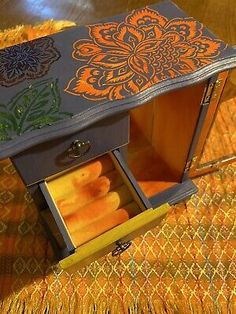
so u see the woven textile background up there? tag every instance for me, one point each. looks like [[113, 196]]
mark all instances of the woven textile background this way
[[185, 265]]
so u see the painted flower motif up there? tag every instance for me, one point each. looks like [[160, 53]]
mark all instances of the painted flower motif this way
[[30, 60], [125, 58]]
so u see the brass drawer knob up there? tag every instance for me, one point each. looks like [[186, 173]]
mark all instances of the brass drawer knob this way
[[120, 247], [78, 148]]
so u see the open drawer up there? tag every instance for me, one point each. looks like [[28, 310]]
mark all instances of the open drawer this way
[[95, 209]]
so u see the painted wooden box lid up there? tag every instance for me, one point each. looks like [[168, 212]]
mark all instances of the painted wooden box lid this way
[[57, 85]]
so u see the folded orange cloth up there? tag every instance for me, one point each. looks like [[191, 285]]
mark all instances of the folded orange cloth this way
[[114, 178], [92, 171], [100, 226], [84, 195], [74, 179], [93, 211], [91, 192]]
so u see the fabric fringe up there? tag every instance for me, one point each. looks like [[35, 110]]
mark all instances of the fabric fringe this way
[[47, 302], [56, 305], [23, 33]]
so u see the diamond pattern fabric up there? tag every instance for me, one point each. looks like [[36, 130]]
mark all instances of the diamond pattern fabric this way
[[185, 265]]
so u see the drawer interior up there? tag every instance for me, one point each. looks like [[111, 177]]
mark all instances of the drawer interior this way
[[91, 200], [161, 133]]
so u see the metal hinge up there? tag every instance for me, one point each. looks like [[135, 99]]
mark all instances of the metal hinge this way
[[212, 92], [191, 163], [208, 93], [217, 89]]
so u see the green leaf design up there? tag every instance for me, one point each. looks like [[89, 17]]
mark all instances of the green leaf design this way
[[7, 123], [32, 108]]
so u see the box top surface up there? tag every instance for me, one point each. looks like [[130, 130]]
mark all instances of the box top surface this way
[[59, 84]]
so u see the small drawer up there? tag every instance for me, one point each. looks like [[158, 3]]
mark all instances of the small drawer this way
[[49, 158], [94, 209]]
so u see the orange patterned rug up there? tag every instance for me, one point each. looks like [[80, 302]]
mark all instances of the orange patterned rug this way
[[185, 265]]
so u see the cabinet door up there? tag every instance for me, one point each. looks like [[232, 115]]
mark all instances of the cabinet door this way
[[217, 141]]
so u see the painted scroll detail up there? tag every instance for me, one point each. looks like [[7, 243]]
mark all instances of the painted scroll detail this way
[[32, 108], [121, 59], [30, 60]]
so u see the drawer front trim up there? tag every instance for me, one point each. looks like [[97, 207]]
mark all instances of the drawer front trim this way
[[110, 237], [50, 158]]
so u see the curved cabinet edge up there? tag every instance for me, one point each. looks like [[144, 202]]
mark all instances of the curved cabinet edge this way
[[90, 116]]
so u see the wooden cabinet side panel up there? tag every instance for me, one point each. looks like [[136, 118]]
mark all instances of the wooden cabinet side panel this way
[[175, 118]]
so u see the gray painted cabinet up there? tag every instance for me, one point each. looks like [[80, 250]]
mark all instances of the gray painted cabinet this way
[[122, 102]]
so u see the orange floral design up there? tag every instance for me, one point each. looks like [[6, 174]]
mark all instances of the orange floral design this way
[[126, 58]]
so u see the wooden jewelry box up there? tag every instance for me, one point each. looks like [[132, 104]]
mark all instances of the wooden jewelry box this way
[[103, 123]]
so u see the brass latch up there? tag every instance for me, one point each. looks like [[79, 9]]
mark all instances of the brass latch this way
[[120, 247], [78, 148]]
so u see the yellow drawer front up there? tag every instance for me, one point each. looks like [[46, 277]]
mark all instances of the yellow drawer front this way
[[97, 246]]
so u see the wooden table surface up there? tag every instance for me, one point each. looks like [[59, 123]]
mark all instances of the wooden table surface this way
[[218, 15]]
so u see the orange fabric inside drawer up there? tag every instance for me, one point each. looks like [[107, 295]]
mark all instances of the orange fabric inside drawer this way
[[92, 199]]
